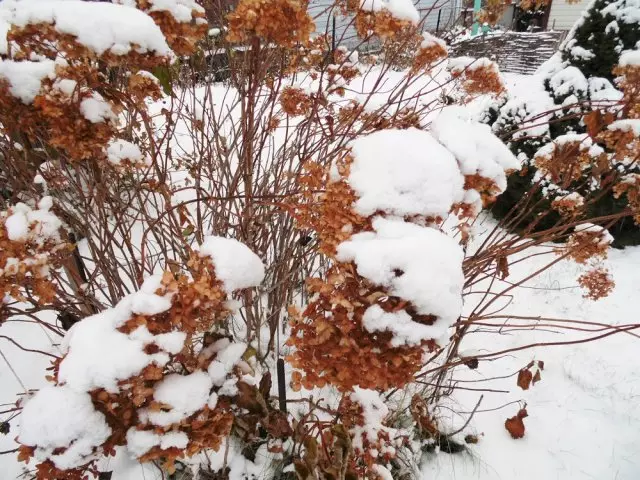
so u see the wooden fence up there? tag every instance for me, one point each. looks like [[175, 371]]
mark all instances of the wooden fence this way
[[516, 52]]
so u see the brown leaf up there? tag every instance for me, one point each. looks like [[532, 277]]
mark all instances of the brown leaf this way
[[524, 379], [265, 386], [537, 377], [593, 122], [249, 398], [277, 425], [473, 439], [502, 267], [471, 362], [515, 425]]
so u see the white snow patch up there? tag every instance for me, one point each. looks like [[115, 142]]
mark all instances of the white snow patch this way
[[419, 264], [235, 264], [404, 172], [59, 417]]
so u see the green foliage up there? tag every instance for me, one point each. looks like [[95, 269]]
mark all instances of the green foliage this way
[[604, 35], [587, 59]]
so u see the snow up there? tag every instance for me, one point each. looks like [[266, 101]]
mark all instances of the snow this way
[[404, 172], [630, 58], [400, 9], [567, 81], [626, 125], [59, 417], [235, 264], [583, 418], [604, 237], [185, 394], [101, 27], [180, 10], [601, 90], [227, 357], [405, 331], [581, 53], [419, 264], [403, 10], [96, 109], [429, 41], [374, 412], [584, 141], [140, 442], [25, 78], [98, 355], [460, 64], [25, 224], [120, 150], [481, 151]]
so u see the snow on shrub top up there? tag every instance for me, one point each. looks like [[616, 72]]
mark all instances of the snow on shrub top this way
[[627, 125], [236, 265], [28, 225], [429, 41], [584, 141], [140, 442], [567, 81], [181, 10], [601, 90], [400, 9], [61, 418], [99, 355], [171, 392], [460, 64], [630, 58], [404, 172], [101, 27], [479, 152], [419, 264], [25, 78], [121, 151]]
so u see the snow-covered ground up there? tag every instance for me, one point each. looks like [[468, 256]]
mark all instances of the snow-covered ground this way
[[583, 418]]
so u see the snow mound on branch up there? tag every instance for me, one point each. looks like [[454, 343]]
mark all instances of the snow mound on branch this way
[[569, 80], [101, 27], [180, 10], [404, 172], [626, 125], [481, 152], [460, 64], [405, 331], [630, 58], [24, 79], [235, 264], [99, 355], [120, 150], [140, 442], [527, 114], [601, 90], [374, 412], [228, 355], [400, 9], [604, 237], [37, 226], [61, 418], [97, 110], [185, 394], [584, 141], [429, 41], [418, 264]]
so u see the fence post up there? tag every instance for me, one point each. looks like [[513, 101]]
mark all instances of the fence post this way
[[333, 36]]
